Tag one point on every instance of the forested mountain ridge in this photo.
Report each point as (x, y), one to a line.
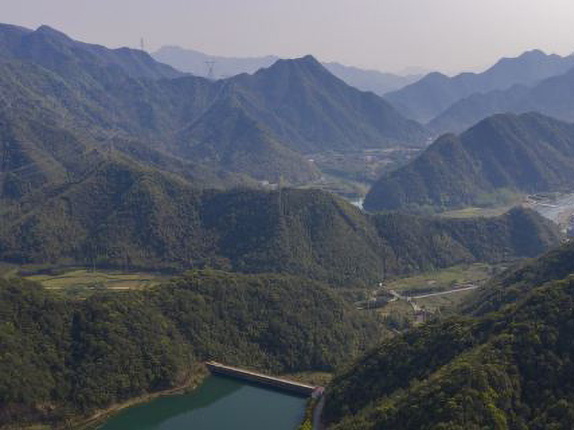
(509, 368)
(313, 110)
(552, 97)
(504, 153)
(433, 94)
(63, 359)
(514, 284)
(124, 99)
(126, 216)
(55, 51)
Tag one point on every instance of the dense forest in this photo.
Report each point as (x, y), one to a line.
(510, 286)
(111, 160)
(510, 367)
(63, 359)
(488, 165)
(125, 216)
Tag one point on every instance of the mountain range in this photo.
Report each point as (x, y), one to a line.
(56, 51)
(120, 215)
(502, 154)
(197, 63)
(125, 101)
(552, 97)
(432, 95)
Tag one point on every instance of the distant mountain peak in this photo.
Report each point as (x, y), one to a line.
(307, 60)
(47, 30)
(534, 53)
(436, 76)
(307, 65)
(310, 59)
(435, 94)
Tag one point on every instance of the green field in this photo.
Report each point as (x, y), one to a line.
(82, 282)
(443, 280)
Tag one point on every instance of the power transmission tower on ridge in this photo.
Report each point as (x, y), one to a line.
(142, 44)
(210, 69)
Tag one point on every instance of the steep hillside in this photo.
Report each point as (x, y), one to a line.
(504, 370)
(72, 355)
(552, 97)
(56, 51)
(527, 153)
(305, 105)
(257, 126)
(433, 94)
(126, 216)
(228, 137)
(514, 284)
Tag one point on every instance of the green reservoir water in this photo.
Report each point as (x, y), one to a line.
(220, 403)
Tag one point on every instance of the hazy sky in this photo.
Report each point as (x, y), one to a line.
(382, 34)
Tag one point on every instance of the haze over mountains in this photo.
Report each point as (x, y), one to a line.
(195, 62)
(553, 96)
(435, 93)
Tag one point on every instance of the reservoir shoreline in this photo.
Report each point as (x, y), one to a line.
(219, 403)
(91, 423)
